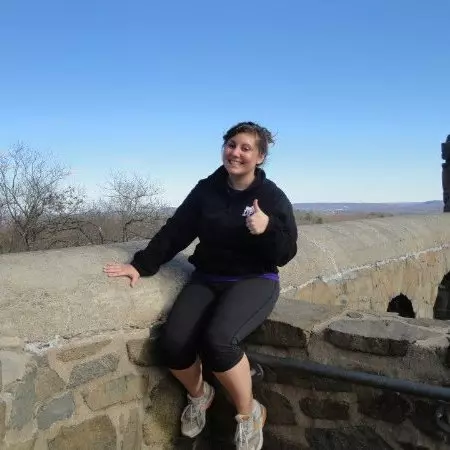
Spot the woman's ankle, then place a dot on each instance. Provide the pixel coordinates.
(247, 409)
(199, 390)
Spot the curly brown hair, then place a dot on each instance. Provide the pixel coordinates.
(265, 137)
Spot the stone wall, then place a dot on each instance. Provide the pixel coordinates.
(362, 264)
(78, 369)
(106, 391)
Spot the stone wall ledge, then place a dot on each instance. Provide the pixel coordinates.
(381, 343)
(358, 264)
(73, 391)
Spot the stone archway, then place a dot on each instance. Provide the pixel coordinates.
(441, 308)
(402, 305)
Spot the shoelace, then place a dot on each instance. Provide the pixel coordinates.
(192, 411)
(244, 431)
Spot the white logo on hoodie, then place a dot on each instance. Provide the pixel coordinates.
(248, 211)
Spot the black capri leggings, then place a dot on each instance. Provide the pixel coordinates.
(209, 320)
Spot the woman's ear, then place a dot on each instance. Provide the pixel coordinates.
(261, 159)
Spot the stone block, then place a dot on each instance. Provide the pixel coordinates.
(278, 334)
(23, 445)
(423, 418)
(325, 409)
(441, 325)
(24, 399)
(387, 406)
(2, 420)
(379, 337)
(119, 390)
(304, 380)
(361, 438)
(279, 408)
(408, 446)
(13, 366)
(81, 351)
(291, 322)
(162, 417)
(91, 370)
(60, 408)
(354, 315)
(93, 434)
(284, 438)
(41, 360)
(132, 437)
(48, 383)
(143, 352)
(9, 342)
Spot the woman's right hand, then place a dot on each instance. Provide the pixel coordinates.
(122, 270)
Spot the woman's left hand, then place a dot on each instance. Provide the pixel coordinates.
(258, 221)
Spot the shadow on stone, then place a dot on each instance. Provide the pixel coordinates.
(387, 406)
(279, 408)
(424, 419)
(220, 425)
(325, 409)
(361, 438)
(280, 440)
(145, 352)
(162, 417)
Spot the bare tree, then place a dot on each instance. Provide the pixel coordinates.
(92, 224)
(37, 206)
(134, 203)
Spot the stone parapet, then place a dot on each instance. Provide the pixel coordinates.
(358, 264)
(107, 390)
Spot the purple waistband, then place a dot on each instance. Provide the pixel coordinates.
(223, 278)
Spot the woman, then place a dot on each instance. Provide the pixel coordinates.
(246, 230)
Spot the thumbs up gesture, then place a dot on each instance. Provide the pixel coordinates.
(258, 221)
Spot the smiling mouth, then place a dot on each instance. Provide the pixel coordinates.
(234, 163)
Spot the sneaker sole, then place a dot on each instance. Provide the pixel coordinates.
(195, 434)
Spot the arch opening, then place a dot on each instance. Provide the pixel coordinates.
(402, 305)
(441, 308)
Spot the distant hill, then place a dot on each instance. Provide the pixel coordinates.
(429, 207)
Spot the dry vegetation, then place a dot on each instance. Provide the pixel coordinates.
(308, 218)
(39, 211)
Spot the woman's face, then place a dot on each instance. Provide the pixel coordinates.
(241, 154)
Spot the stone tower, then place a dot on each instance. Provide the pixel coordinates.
(445, 155)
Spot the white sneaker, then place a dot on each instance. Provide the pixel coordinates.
(249, 431)
(193, 419)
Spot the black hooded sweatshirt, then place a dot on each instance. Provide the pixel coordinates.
(214, 213)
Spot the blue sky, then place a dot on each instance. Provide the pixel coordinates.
(357, 92)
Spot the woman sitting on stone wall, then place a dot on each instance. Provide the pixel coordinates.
(246, 230)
